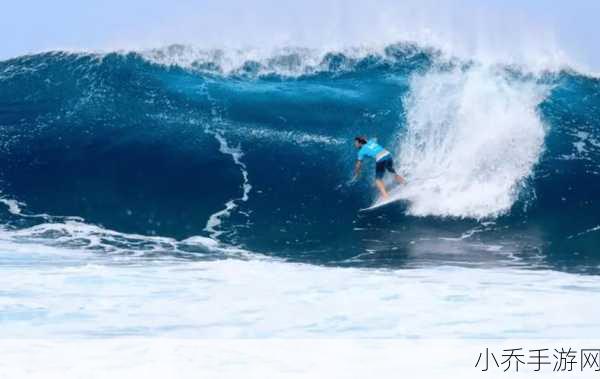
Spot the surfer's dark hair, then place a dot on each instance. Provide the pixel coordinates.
(361, 140)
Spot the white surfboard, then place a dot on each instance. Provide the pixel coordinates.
(393, 198)
(379, 204)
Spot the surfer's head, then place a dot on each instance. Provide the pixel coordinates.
(360, 141)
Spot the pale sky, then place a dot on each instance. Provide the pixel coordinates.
(531, 30)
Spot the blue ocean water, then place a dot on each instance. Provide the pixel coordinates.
(141, 147)
(127, 160)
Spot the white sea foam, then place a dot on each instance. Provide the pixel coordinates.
(586, 146)
(76, 238)
(472, 139)
(215, 220)
(13, 206)
(263, 298)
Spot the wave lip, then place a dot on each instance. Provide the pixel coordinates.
(286, 61)
(294, 61)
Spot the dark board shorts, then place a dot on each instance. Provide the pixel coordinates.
(383, 165)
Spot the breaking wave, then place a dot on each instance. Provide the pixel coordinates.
(251, 150)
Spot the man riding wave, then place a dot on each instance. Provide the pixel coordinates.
(383, 162)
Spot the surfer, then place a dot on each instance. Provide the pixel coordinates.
(383, 162)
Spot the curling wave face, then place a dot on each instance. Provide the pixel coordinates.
(249, 151)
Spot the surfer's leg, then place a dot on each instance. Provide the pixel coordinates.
(379, 172)
(389, 166)
(381, 187)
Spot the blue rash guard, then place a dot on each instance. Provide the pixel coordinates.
(373, 150)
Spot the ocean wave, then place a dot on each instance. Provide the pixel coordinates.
(253, 149)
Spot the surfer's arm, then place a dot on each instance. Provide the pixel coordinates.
(357, 168)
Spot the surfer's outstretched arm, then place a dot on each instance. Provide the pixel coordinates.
(357, 168)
